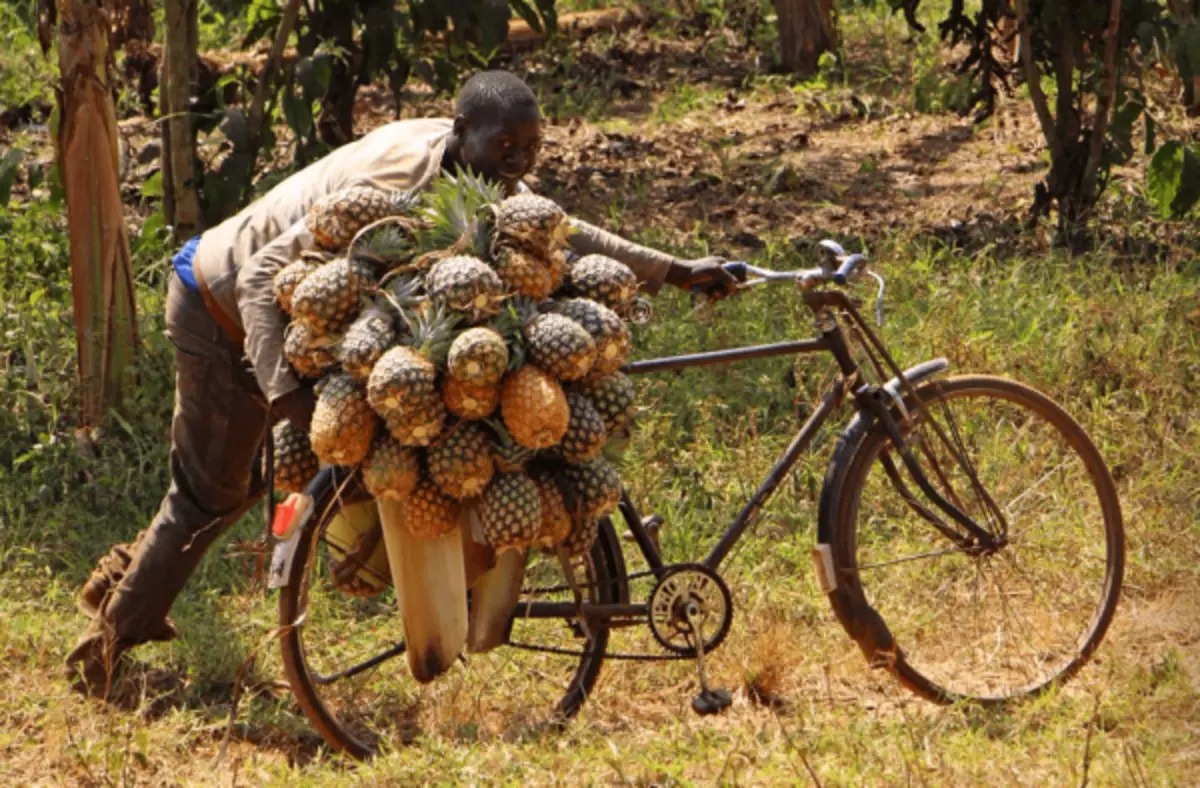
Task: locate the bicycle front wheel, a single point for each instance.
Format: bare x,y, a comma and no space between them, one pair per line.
985,625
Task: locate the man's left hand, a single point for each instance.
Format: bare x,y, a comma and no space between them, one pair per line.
706,275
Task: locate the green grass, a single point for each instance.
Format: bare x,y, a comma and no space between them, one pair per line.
1117,343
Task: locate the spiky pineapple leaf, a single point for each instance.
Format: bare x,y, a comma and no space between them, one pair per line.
456,209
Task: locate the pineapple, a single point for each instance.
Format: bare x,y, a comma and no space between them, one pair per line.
336,218
289,278
403,385
470,401
430,512
295,464
511,511
581,537
420,429
309,353
478,356
525,274
603,279
461,462
343,424
532,222
465,285
585,436
614,397
593,489
368,337
556,519
390,470
331,296
606,328
555,343
534,408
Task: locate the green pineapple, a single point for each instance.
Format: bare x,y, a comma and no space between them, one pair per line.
461,461
330,297
308,352
586,435
335,219
605,280
390,470
614,397
295,463
554,343
465,285
403,386
608,331
593,488
343,424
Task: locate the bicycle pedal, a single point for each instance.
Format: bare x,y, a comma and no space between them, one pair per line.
711,701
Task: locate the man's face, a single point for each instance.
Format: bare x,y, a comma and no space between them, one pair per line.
503,150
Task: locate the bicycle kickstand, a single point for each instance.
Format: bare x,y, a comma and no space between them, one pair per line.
709,700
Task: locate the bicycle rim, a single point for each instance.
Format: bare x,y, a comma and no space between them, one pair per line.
987,627
327,632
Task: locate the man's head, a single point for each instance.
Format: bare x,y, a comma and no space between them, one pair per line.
497,126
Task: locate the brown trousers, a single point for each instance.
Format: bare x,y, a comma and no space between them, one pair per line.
218,426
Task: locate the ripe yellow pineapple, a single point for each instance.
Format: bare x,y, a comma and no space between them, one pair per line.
465,285
511,511
343,424
525,274
606,329
390,471
534,408
403,385
531,222
470,401
556,519
419,429
429,512
290,277
479,356
309,353
461,461
335,219
330,297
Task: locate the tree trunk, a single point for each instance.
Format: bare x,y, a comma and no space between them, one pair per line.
180,203
806,30
1186,11
101,270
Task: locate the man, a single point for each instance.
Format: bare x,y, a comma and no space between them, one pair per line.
232,379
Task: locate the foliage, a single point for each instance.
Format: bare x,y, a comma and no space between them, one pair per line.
1091,60
26,77
1173,179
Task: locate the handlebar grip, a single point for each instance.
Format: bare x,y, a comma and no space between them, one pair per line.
851,266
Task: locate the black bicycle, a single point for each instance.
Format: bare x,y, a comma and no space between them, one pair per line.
969,539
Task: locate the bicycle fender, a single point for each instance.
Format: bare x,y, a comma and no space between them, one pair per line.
847,444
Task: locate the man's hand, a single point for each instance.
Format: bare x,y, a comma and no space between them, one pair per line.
706,275
297,407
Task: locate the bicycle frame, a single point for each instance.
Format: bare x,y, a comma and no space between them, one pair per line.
873,401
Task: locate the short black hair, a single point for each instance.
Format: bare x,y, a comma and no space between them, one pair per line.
491,95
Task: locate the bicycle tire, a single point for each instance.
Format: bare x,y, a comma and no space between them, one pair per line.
300,676
857,455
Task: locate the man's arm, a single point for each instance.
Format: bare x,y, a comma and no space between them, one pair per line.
264,323
651,266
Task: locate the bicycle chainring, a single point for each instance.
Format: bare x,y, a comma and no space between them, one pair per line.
694,589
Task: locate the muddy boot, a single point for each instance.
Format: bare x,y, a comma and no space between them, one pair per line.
94,665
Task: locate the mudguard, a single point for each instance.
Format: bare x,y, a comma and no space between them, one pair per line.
861,621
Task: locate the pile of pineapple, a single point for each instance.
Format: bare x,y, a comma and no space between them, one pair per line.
464,365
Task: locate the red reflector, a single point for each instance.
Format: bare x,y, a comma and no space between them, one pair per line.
288,514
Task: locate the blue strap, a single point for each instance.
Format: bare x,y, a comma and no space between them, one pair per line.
183,264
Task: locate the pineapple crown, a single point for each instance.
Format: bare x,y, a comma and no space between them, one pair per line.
402,291
388,242
508,325
431,331
457,214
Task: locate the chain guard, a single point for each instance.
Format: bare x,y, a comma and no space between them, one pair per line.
690,584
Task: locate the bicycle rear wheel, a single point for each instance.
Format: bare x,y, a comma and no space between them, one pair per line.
344,655
991,625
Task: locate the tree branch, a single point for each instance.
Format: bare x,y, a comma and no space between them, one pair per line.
266,79
1104,100
1033,78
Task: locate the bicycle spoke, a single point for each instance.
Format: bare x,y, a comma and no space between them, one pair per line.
917,557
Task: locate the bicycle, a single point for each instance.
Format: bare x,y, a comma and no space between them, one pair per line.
949,586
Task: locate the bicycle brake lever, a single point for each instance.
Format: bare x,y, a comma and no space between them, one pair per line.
878,297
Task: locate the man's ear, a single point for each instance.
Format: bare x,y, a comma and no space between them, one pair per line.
460,126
